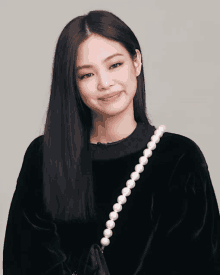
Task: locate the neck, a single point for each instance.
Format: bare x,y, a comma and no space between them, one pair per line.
112,130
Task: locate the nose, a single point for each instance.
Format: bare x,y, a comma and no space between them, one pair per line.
104,81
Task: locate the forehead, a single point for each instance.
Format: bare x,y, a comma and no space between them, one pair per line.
96,48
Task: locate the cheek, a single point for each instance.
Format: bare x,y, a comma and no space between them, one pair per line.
86,87
127,74
132,81
86,93
82,91
85,98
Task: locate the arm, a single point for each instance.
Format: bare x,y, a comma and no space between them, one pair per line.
31,244
191,219
185,237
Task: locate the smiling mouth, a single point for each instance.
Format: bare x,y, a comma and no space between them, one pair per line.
112,97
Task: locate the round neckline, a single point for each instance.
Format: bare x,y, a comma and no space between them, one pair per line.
114,142
136,141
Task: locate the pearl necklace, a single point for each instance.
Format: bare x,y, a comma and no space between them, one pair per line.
126,191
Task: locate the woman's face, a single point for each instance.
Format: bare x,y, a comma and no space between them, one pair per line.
104,74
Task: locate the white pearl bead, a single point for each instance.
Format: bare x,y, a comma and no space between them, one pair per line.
117,207
147,153
139,168
160,132
155,139
157,132
110,224
113,215
107,233
143,160
151,145
130,183
135,176
126,191
121,199
162,127
105,241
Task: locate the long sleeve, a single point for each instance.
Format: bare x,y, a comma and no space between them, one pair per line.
169,225
31,245
188,229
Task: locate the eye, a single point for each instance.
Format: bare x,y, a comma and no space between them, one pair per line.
82,77
87,75
116,64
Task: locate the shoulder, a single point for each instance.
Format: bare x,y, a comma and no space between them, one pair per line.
35,145
37,142
32,161
33,155
183,146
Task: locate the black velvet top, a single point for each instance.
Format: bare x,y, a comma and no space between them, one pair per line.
169,225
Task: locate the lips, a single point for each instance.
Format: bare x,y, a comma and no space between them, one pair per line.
110,95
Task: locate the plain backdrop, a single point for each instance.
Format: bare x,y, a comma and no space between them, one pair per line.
180,42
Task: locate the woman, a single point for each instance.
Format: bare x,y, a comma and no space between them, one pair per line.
72,175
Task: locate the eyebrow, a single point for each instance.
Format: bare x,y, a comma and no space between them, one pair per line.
90,66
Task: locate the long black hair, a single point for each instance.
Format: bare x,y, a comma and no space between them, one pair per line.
67,167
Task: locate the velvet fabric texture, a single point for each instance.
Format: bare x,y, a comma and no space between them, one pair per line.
169,225
94,263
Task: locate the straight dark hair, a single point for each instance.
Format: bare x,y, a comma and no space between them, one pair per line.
67,166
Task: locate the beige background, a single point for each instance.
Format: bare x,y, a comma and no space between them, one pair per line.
180,41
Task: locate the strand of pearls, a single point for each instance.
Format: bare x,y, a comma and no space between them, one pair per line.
126,191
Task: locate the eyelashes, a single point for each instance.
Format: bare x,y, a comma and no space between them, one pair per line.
86,75
116,64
